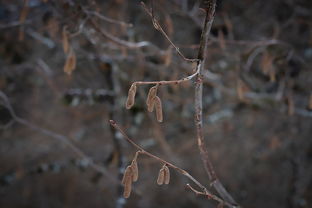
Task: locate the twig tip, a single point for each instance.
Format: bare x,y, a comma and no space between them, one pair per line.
112,122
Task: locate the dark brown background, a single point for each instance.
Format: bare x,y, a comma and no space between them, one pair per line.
261,146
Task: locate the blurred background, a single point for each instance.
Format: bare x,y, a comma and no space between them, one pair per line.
65,70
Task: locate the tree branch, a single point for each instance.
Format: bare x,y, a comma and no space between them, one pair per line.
179,170
209,7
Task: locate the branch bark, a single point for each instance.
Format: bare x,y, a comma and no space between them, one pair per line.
209,7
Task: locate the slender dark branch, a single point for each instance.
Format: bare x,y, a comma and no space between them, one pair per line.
209,7
179,170
158,27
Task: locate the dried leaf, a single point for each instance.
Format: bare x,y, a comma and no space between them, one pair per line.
70,63
158,106
135,170
167,174
161,176
65,40
131,96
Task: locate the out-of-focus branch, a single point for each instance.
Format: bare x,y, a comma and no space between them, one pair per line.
6,103
158,27
107,19
117,40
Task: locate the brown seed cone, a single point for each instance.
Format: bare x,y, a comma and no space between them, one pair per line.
131,96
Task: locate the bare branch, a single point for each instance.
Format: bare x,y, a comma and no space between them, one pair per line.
158,27
6,103
209,7
168,82
179,170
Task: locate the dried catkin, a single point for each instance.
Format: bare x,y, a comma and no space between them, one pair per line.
127,174
70,63
65,40
131,96
158,106
150,106
150,97
135,170
161,176
167,174
127,187
127,181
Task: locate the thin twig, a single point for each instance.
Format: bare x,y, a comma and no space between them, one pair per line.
163,82
179,170
107,19
202,56
158,27
117,40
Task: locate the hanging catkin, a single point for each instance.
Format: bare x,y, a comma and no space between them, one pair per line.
131,96
150,98
158,106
